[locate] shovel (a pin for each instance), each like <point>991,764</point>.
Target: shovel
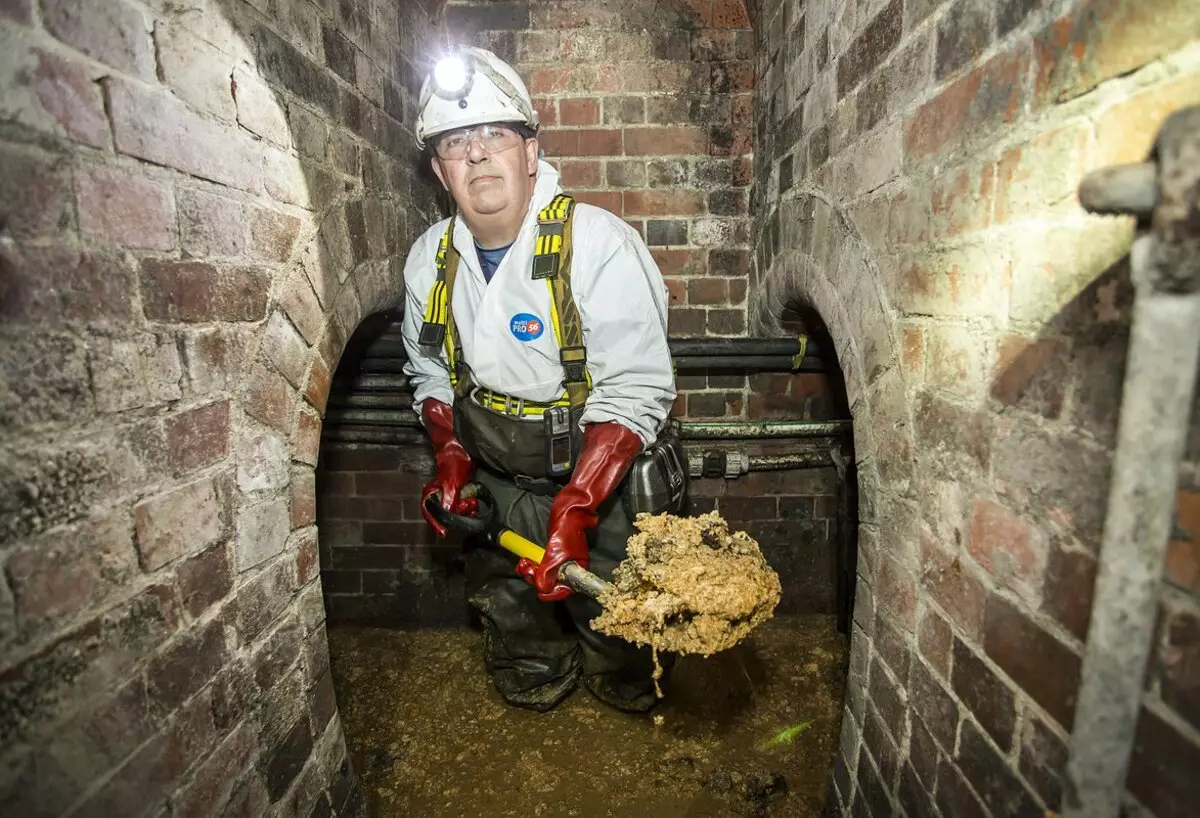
<point>571,574</point>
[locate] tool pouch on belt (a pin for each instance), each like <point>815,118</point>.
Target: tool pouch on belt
<point>658,478</point>
<point>538,446</point>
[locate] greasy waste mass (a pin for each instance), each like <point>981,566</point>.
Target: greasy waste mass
<point>688,585</point>
<point>748,731</point>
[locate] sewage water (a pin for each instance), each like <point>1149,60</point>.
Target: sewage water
<point>750,731</point>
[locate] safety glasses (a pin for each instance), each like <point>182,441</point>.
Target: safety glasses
<point>492,138</point>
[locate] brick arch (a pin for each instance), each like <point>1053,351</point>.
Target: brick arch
<point>822,262</point>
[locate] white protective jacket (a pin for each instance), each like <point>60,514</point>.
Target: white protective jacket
<point>622,302</point>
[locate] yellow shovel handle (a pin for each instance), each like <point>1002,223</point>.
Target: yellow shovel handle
<point>512,541</point>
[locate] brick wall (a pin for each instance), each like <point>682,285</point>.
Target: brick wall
<point>915,169</point>
<point>199,203</point>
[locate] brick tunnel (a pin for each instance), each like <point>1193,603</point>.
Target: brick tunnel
<point>206,208</point>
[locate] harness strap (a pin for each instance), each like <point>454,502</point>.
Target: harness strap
<point>551,262</point>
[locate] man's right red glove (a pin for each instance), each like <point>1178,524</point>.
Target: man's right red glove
<point>454,467</point>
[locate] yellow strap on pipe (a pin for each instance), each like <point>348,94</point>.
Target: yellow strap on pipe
<point>510,540</point>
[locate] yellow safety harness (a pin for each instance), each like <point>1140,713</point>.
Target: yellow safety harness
<point>551,263</point>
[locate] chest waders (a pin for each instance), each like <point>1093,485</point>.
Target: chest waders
<point>538,443</point>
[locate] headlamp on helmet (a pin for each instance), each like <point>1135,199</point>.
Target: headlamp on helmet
<point>452,76</point>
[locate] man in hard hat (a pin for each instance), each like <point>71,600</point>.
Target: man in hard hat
<point>545,398</point>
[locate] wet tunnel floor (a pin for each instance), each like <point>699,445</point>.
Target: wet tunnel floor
<point>429,735</point>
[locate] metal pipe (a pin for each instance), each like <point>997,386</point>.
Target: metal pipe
<point>1164,348</point>
<point>757,363</point>
<point>371,383</point>
<point>390,345</point>
<point>378,400</point>
<point>761,429</point>
<point>373,417</point>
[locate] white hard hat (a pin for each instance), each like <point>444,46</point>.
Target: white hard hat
<point>471,86</point>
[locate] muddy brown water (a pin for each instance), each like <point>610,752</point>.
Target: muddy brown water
<point>429,735</point>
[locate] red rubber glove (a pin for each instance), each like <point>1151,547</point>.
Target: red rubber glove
<point>607,452</point>
<point>454,467</point>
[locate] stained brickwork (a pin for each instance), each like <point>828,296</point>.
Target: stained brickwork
<point>199,202</point>
<point>916,163</point>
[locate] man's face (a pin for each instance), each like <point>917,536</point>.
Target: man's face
<point>488,169</point>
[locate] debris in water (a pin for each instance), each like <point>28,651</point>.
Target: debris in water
<point>788,734</point>
<point>688,585</point>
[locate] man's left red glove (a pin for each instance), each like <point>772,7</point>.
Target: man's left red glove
<point>454,467</point>
<point>608,450</point>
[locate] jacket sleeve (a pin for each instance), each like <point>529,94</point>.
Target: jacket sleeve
<point>426,368</point>
<point>622,302</point>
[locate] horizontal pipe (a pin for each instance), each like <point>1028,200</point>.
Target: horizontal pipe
<point>390,345</point>
<point>738,430</point>
<point>378,364</point>
<point>371,383</point>
<point>378,436</point>
<point>755,363</point>
<point>798,460</point>
<point>373,417</point>
<point>379,400</point>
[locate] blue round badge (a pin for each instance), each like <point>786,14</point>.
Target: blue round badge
<point>526,327</point>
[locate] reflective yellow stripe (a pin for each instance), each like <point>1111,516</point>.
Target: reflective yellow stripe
<point>515,407</point>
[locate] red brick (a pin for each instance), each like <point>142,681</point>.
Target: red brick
<point>677,291</point>
<point>933,639</point>
<point>609,200</point>
<point>1162,771</point>
<point>65,89</point>
<point>988,698</point>
<point>990,96</point>
<point>1031,373</point>
<point>897,592</point>
<point>560,143</point>
<point>126,210</point>
<point>687,322</point>
<point>300,304</point>
<point>59,283</point>
<point>1070,583</point>
<point>177,523</point>
<point>154,126</point>
<point>269,399</point>
<point>1007,547</point>
<point>1183,552</point>
<point>1044,667</point>
<point>666,141</point>
<point>737,292</point>
<point>730,14</point>
<point>664,202</point>
<point>39,183</point>
<point>580,111</point>
<point>549,80</point>
<point>952,586</point>
<point>707,291</point>
<point>1125,132</point>
<point>961,201</point>
<point>547,111</point>
<point>680,262</point>
<point>1179,663</point>
<point>1039,178</point>
<point>62,574</point>
<point>307,443</point>
<point>115,33</point>
<point>576,174</point>
<point>204,580</point>
<point>272,234</point>
<point>599,142</point>
<point>191,291</point>
<point>210,226</point>
<point>317,390</point>
<point>743,172</point>
<point>307,560</point>
<point>304,498</point>
<point>1107,38</point>
<point>197,437</point>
